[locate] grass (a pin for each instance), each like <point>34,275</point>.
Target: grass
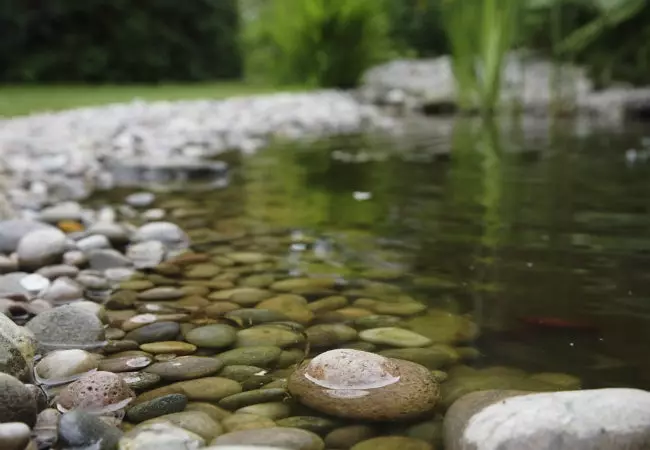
<point>21,100</point>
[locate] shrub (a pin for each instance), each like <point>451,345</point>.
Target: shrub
<point>325,43</point>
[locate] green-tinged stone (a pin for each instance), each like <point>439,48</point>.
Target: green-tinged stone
<point>293,284</point>
<point>272,410</point>
<point>140,381</point>
<point>157,407</point>
<point>318,425</point>
<point>330,334</point>
<point>186,368</point>
<point>326,304</point>
<point>196,422</point>
<point>431,358</point>
<point>136,285</point>
<point>393,443</point>
<point>243,296</point>
<point>241,373</point>
<point>242,399</point>
<point>290,357</point>
<point>202,271</point>
<point>241,422</point>
<point>247,257</point>
<point>346,437</point>
<point>395,337</point>
<point>561,380</point>
<point>376,321</point>
<point>175,347</point>
<point>277,336</point>
<point>212,336</point>
<point>250,316</point>
<point>444,327</point>
<point>284,438</point>
<point>257,281</point>
<point>210,389</point>
<point>261,356</point>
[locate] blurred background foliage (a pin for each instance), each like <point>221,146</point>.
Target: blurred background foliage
<point>313,42</point>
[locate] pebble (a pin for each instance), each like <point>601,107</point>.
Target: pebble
<point>60,365</point>
<point>330,335</point>
<point>67,325</point>
<point>93,242</point>
<point>155,332</point>
<point>243,296</point>
<point>126,363</point>
<point>17,349</point>
<point>17,403</point>
<point>364,386</point>
<point>174,347</point>
<point>217,413</point>
<point>160,436</point>
<point>196,422</point>
<point>432,358</point>
<point>253,397</point>
<point>260,356</point>
<point>167,404</point>
<point>252,316</point>
<point>46,430</point>
<point>63,290</point>
<point>140,199</point>
<point>140,381</point>
<point>185,368</point>
<point>41,247</point>
<point>348,436</point>
<point>293,306</point>
<point>104,259</point>
<point>212,336</point>
<point>13,230</point>
<point>239,422</point>
<point>209,389</point>
<point>391,443</point>
<point>78,429</point>
<point>147,254</point>
<point>318,425</point>
<point>161,294</point>
<point>58,270</point>
<point>272,410</point>
<point>95,390</point>
<point>275,335</point>
<point>171,235</point>
<point>285,438</point>
<point>14,436</point>
<point>395,337</point>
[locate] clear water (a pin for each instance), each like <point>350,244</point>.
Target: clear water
<point>542,234</point>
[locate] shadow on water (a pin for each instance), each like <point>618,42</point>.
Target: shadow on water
<point>542,235</point>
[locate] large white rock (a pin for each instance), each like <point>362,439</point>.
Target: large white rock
<point>598,419</point>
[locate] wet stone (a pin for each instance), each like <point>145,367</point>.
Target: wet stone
<point>122,300</point>
<point>217,413</point>
<point>318,425</point>
<point>14,436</point>
<point>141,320</point>
<point>277,336</point>
<point>66,325</point>
<point>261,356</point>
<point>252,316</point>
<point>247,257</point>
<point>209,389</point>
<point>284,438</point>
<point>155,332</point>
<point>212,336</point>
<point>330,335</point>
<point>93,282</point>
<point>136,285</point>
<point>395,337</point>
<point>45,431</point>
<point>202,271</point>
<point>119,346</point>
<point>167,404</point>
<point>161,294</point>
<point>272,410</point>
<point>296,284</point>
<point>114,333</point>
<point>17,403</point>
<point>104,259</point>
<point>376,321</point>
<point>242,296</point>
<point>196,422</point>
<point>240,422</point>
<point>393,442</point>
<point>95,390</point>
<point>78,429</point>
<point>160,436</point>
<point>331,303</point>
<point>125,363</point>
<point>139,381</point>
<point>174,347</point>
<point>220,309</point>
<point>186,368</point>
<point>253,397</point>
<point>348,436</point>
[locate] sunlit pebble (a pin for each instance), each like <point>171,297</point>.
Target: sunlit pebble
<point>530,264</point>
<point>298,247</point>
<point>361,196</point>
<point>35,283</point>
<point>572,344</point>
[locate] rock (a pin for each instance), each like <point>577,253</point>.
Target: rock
<point>209,389</point>
<point>217,413</point>
<point>160,436</point>
<point>251,316</point>
<point>318,425</point>
<point>431,358</point>
<point>140,199</point>
<point>155,332</point>
<point>14,436</point>
<point>346,437</point>
<point>212,336</point>
<point>93,242</point>
<point>78,429</point>
<point>185,368</point>
<point>104,259</point>
<point>392,442</point>
<point>272,410</point>
<point>160,406</point>
<point>247,257</point>
<point>161,294</point>
<point>65,326</point>
<point>261,356</point>
<point>65,211</point>
<point>613,418</point>
<point>330,334</point>
<point>17,403</point>
<point>95,391</point>
<point>147,254</point>
<point>17,349</point>
<point>331,303</point>
<point>46,430</point>
<point>41,247</point>
<point>253,397</point>
<point>202,271</point>
<point>125,363</point>
<point>139,381</point>
<point>275,335</point>
<point>117,234</point>
<point>395,337</point>
<point>365,386</point>
<point>171,235</point>
<point>444,327</point>
<point>58,270</point>
<point>292,306</point>
<point>239,422</point>
<point>63,290</point>
<point>13,230</point>
<point>61,365</point>
<point>196,422</point>
<point>284,438</point>
<point>93,281</point>
<point>173,347</point>
<point>243,296</point>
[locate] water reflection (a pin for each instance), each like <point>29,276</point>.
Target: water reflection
<point>543,241</point>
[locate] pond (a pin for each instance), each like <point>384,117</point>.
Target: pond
<point>540,236</point>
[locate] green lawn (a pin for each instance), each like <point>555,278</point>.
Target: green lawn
<point>19,100</point>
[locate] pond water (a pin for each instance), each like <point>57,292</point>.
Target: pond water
<point>541,236</point>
